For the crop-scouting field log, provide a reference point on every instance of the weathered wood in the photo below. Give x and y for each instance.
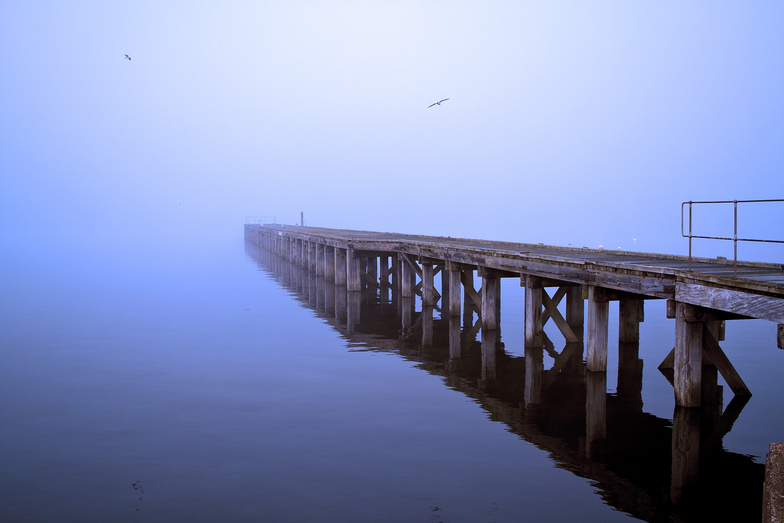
(354, 278)
(329, 263)
(688, 359)
(597, 330)
(467, 279)
(533, 313)
(630, 314)
(556, 300)
(559, 320)
(414, 265)
(744, 303)
(780, 336)
(428, 292)
(489, 300)
(341, 266)
(384, 269)
(773, 488)
(320, 263)
(405, 287)
(454, 273)
(720, 360)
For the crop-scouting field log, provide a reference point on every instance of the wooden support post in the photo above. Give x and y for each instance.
(773, 488)
(384, 272)
(320, 263)
(444, 288)
(405, 287)
(598, 319)
(303, 245)
(688, 358)
(428, 291)
(533, 312)
(489, 299)
(454, 273)
(406, 313)
(354, 277)
(329, 263)
(372, 269)
(630, 314)
(341, 266)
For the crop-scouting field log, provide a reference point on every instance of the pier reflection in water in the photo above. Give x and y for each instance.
(652, 468)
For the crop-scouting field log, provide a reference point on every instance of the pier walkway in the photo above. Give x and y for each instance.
(700, 298)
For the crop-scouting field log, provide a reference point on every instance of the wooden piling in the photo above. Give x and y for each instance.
(454, 288)
(688, 358)
(354, 276)
(489, 299)
(773, 490)
(341, 266)
(597, 329)
(428, 291)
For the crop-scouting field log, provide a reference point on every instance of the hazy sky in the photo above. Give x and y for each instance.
(567, 121)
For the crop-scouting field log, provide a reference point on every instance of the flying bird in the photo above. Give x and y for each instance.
(128, 57)
(437, 103)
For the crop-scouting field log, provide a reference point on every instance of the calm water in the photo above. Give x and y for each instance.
(216, 383)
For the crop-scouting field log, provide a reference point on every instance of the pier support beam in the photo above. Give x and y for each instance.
(329, 263)
(405, 278)
(383, 272)
(354, 277)
(598, 318)
(454, 273)
(428, 290)
(533, 312)
(341, 266)
(688, 357)
(320, 264)
(490, 299)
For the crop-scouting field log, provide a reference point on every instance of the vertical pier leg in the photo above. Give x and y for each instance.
(320, 263)
(534, 341)
(575, 318)
(630, 314)
(329, 263)
(489, 299)
(598, 319)
(444, 288)
(533, 312)
(454, 288)
(372, 268)
(383, 273)
(303, 253)
(428, 292)
(405, 278)
(354, 280)
(341, 266)
(688, 358)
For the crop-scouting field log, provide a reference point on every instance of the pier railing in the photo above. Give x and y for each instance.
(734, 237)
(261, 220)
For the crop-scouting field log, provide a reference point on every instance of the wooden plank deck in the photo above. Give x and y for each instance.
(646, 274)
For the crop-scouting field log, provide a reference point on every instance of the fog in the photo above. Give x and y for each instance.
(582, 123)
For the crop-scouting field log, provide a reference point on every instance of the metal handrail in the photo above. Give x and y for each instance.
(734, 238)
(260, 220)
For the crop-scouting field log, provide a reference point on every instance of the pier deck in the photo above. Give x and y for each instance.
(702, 294)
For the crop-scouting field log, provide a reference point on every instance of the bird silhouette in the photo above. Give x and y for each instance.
(437, 103)
(128, 57)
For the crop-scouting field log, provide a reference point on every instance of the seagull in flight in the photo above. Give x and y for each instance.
(128, 57)
(437, 103)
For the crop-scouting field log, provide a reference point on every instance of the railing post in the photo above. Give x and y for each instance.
(689, 236)
(735, 238)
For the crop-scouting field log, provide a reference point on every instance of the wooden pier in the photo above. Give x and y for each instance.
(700, 299)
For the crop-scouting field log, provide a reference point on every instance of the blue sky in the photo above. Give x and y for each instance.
(568, 122)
